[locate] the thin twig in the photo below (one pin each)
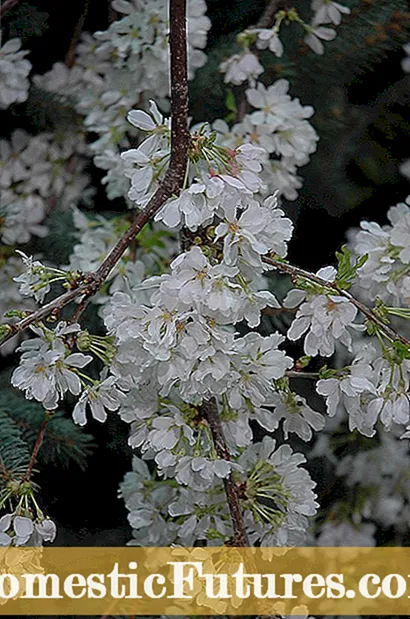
(276, 311)
(297, 374)
(294, 271)
(38, 443)
(170, 186)
(209, 411)
(174, 177)
(70, 55)
(7, 6)
(266, 19)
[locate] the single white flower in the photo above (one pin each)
(240, 68)
(315, 36)
(328, 11)
(99, 397)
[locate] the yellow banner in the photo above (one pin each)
(204, 581)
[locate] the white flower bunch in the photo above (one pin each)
(386, 272)
(273, 474)
(374, 388)
(48, 369)
(218, 178)
(14, 70)
(324, 317)
(246, 67)
(185, 327)
(279, 125)
(202, 513)
(35, 173)
(120, 68)
(18, 530)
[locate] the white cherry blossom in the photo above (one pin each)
(240, 68)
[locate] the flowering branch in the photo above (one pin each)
(93, 281)
(210, 411)
(370, 315)
(170, 186)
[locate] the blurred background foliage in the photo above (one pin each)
(362, 114)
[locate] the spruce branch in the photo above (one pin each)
(14, 451)
(170, 186)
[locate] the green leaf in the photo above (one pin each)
(230, 101)
(346, 271)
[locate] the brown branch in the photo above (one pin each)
(7, 6)
(276, 311)
(70, 55)
(267, 17)
(171, 185)
(209, 411)
(297, 374)
(294, 271)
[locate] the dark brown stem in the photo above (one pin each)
(170, 186)
(209, 411)
(290, 269)
(7, 6)
(38, 443)
(174, 176)
(81, 308)
(267, 17)
(70, 55)
(275, 311)
(297, 374)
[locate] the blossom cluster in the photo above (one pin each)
(161, 514)
(279, 125)
(246, 66)
(119, 68)
(14, 71)
(386, 272)
(36, 174)
(22, 531)
(48, 369)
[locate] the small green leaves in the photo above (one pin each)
(346, 271)
(326, 372)
(230, 104)
(402, 351)
(5, 330)
(303, 362)
(380, 310)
